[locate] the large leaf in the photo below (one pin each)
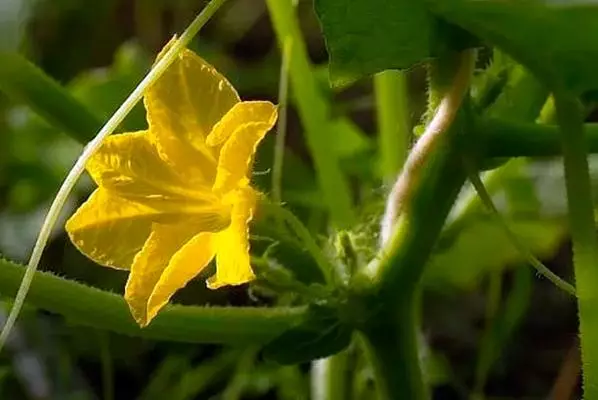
(555, 39)
(368, 36)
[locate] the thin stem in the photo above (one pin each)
(283, 89)
(329, 377)
(88, 306)
(158, 69)
(394, 132)
(583, 233)
(314, 112)
(521, 248)
(470, 204)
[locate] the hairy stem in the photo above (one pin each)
(85, 305)
(416, 211)
(410, 174)
(583, 233)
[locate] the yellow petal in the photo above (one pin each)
(183, 106)
(237, 152)
(109, 229)
(232, 244)
(129, 166)
(163, 242)
(241, 114)
(187, 263)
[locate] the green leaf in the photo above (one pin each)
(554, 39)
(25, 83)
(368, 36)
(321, 334)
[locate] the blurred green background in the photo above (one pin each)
(489, 322)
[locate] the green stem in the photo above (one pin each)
(330, 377)
(583, 234)
(69, 183)
(392, 349)
(400, 196)
(88, 306)
(389, 285)
(521, 248)
(502, 138)
(314, 113)
(281, 132)
(394, 133)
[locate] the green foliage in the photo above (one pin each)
(564, 60)
(319, 335)
(25, 83)
(358, 32)
(338, 167)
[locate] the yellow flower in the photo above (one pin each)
(173, 197)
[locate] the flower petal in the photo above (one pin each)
(238, 150)
(128, 165)
(241, 114)
(187, 263)
(109, 229)
(232, 244)
(183, 106)
(163, 242)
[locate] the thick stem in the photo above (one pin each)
(392, 348)
(421, 199)
(583, 234)
(88, 306)
(421, 152)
